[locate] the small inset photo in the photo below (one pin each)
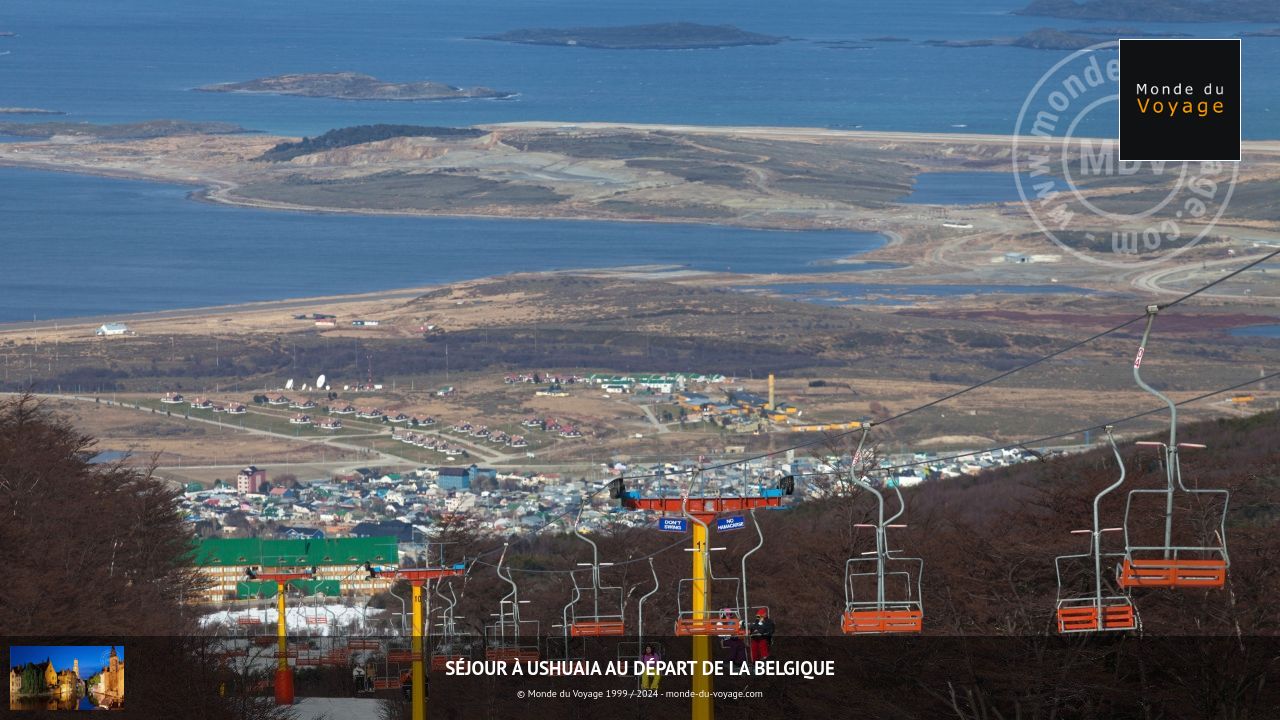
(66, 677)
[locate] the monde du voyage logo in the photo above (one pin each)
(1162, 187)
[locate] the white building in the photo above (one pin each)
(111, 329)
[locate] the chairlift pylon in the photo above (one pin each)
(1097, 611)
(904, 611)
(1172, 563)
(729, 620)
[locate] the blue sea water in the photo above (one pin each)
(92, 246)
(1267, 331)
(130, 60)
(72, 245)
(964, 188)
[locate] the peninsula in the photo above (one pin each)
(662, 36)
(353, 86)
(122, 131)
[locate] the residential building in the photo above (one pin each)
(250, 479)
(113, 328)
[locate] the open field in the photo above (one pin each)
(833, 363)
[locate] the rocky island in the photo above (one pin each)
(353, 86)
(1158, 10)
(662, 36)
(1040, 39)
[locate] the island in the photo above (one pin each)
(28, 111)
(1157, 10)
(1128, 32)
(123, 131)
(353, 86)
(842, 45)
(661, 36)
(1039, 39)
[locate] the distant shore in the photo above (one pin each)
(28, 111)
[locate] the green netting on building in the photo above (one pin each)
(222, 552)
(330, 588)
(246, 589)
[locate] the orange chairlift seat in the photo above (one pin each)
(1102, 609)
(400, 655)
(1194, 557)
(507, 638)
(897, 606)
(387, 682)
(249, 621)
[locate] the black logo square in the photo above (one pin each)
(1180, 100)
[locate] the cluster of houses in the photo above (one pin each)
(204, 403)
(497, 437)
(367, 502)
(660, 384)
(563, 428)
(427, 442)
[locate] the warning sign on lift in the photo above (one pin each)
(673, 524)
(737, 522)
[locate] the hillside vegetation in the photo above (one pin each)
(360, 134)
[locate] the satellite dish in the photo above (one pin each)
(304, 387)
(320, 380)
(289, 385)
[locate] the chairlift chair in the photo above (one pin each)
(1099, 611)
(318, 616)
(504, 638)
(593, 615)
(452, 645)
(625, 651)
(1173, 562)
(889, 612)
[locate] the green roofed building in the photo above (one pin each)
(339, 564)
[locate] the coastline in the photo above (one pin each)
(213, 192)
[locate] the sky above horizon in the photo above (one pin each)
(93, 658)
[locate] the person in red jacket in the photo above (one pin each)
(761, 632)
